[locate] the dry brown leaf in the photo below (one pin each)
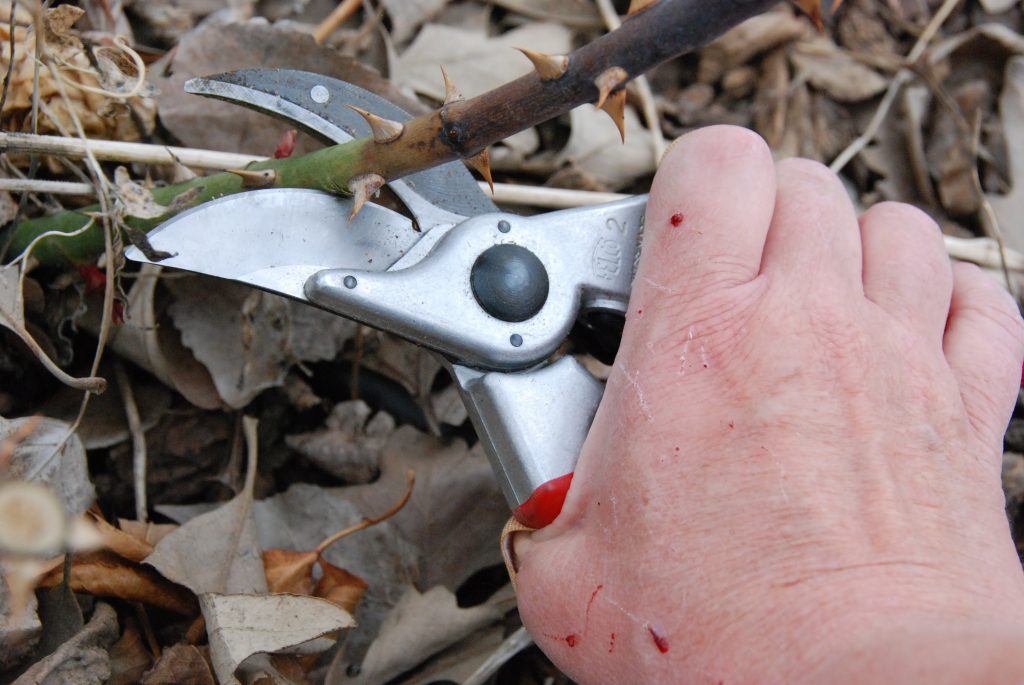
(52, 456)
(129, 657)
(754, 36)
(240, 626)
(348, 446)
(81, 660)
(835, 72)
(596, 147)
(104, 574)
(419, 626)
(135, 200)
(248, 339)
(147, 531)
(217, 551)
(566, 12)
(289, 571)
(1009, 208)
(180, 664)
(339, 587)
(119, 541)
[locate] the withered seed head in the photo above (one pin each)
(363, 187)
(549, 67)
(451, 93)
(615, 106)
(384, 130)
(255, 178)
(482, 164)
(639, 6)
(607, 82)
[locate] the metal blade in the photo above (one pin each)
(275, 239)
(316, 103)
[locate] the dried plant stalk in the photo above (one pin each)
(460, 129)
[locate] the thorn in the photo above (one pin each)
(615, 106)
(638, 6)
(549, 67)
(363, 187)
(384, 130)
(255, 178)
(482, 164)
(451, 93)
(608, 81)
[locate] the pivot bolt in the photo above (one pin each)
(509, 282)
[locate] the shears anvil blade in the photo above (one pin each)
(275, 239)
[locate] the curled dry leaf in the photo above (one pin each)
(240, 626)
(105, 574)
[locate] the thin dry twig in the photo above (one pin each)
(338, 16)
(901, 78)
(117, 151)
(512, 645)
(138, 437)
(26, 185)
(989, 221)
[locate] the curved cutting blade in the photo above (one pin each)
(316, 103)
(275, 239)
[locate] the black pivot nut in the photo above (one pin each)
(509, 282)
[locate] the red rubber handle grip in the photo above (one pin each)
(545, 504)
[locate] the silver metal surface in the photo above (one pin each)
(277, 238)
(531, 424)
(589, 254)
(317, 104)
(532, 417)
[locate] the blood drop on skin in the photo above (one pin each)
(660, 641)
(676, 220)
(571, 639)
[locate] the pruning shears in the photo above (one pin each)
(493, 294)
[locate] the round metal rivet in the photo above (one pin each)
(516, 340)
(350, 282)
(509, 282)
(504, 226)
(320, 94)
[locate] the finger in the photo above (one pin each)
(984, 345)
(814, 239)
(708, 213)
(906, 270)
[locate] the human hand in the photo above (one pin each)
(795, 468)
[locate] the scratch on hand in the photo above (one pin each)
(633, 379)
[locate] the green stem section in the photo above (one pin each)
(321, 170)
